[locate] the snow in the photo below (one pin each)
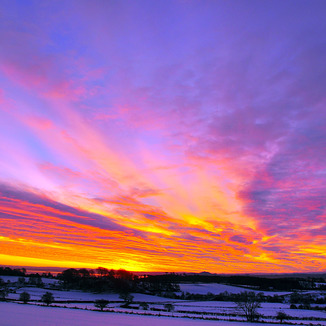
(267, 309)
(271, 309)
(216, 288)
(11, 278)
(19, 314)
(183, 308)
(73, 295)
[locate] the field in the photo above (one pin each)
(19, 314)
(77, 308)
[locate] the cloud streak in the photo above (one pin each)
(134, 133)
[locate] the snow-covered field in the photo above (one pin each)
(83, 302)
(13, 314)
(74, 295)
(216, 288)
(186, 309)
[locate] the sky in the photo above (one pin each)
(166, 135)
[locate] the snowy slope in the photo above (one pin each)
(18, 314)
(216, 288)
(74, 295)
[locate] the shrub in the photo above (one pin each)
(101, 303)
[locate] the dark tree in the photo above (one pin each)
(12, 272)
(144, 305)
(3, 293)
(47, 298)
(295, 297)
(127, 298)
(24, 296)
(281, 316)
(68, 276)
(125, 275)
(35, 280)
(249, 304)
(83, 272)
(21, 281)
(102, 271)
(169, 307)
(101, 303)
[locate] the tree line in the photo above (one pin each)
(122, 281)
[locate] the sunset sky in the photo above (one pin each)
(163, 135)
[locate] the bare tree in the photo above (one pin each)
(249, 304)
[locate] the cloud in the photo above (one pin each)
(240, 239)
(197, 133)
(41, 204)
